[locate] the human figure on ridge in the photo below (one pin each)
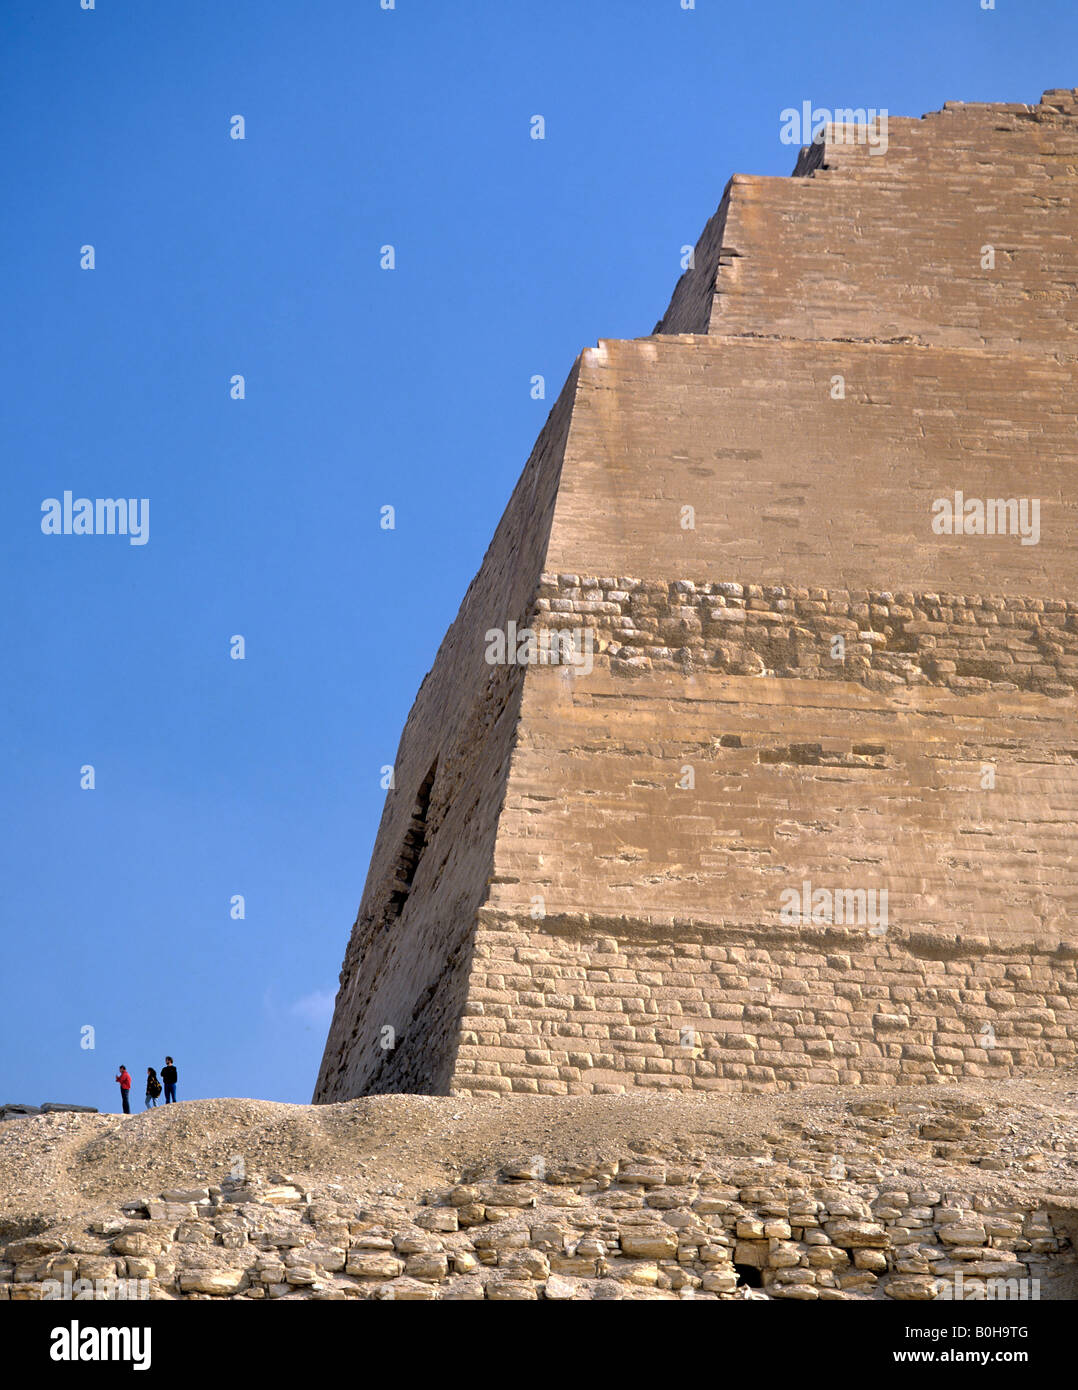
(124, 1079)
(153, 1088)
(168, 1078)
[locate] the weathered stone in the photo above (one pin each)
(910, 1287)
(438, 1219)
(852, 1234)
(222, 1282)
(559, 1288)
(961, 1233)
(373, 1266)
(656, 1243)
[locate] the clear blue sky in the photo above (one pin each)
(364, 387)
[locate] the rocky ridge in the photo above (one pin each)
(874, 1194)
(14, 1110)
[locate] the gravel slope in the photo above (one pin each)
(1017, 1135)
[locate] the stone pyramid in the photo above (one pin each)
(797, 802)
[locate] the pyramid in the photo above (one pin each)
(750, 761)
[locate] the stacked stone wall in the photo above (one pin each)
(564, 1008)
(619, 1228)
(966, 643)
(959, 233)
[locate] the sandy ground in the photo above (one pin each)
(1017, 1135)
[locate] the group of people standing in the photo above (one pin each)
(154, 1087)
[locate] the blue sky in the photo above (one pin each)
(364, 387)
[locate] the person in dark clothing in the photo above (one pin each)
(124, 1079)
(153, 1088)
(168, 1080)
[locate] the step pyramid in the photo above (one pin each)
(750, 760)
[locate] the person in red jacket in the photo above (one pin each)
(124, 1079)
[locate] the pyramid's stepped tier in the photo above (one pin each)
(789, 485)
(710, 797)
(605, 1006)
(639, 921)
(885, 243)
(804, 809)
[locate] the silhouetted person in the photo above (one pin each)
(168, 1078)
(124, 1079)
(153, 1088)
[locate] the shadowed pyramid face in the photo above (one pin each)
(806, 813)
